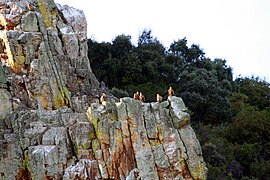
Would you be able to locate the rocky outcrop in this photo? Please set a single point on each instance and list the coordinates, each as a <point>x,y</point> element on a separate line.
<point>43,49</point>
<point>123,140</point>
<point>52,125</point>
<point>154,140</point>
<point>38,145</point>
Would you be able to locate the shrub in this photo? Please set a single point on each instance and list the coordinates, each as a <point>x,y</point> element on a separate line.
<point>119,93</point>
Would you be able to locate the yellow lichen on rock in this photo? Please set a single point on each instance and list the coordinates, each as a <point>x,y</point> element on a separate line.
<point>61,98</point>
<point>47,12</point>
<point>45,101</point>
<point>24,171</point>
<point>58,101</point>
<point>199,173</point>
<point>19,63</point>
<point>92,135</point>
<point>66,96</point>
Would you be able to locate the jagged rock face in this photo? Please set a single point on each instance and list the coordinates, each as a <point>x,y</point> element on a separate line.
<point>39,145</point>
<point>155,139</point>
<point>43,49</point>
<point>51,123</point>
<point>124,140</point>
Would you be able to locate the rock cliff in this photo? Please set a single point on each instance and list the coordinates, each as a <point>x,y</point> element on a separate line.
<point>52,125</point>
<point>44,59</point>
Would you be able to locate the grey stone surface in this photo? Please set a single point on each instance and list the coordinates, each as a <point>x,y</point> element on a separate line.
<point>5,105</point>
<point>83,169</point>
<point>149,137</point>
<point>29,22</point>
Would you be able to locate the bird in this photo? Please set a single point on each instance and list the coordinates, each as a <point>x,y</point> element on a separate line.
<point>170,91</point>
<point>141,97</point>
<point>103,98</point>
<point>159,98</point>
<point>136,96</point>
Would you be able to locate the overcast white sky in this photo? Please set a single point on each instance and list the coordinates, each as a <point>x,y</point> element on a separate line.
<point>235,30</point>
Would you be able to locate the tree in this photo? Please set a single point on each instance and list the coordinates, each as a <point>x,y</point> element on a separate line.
<point>204,96</point>
<point>223,72</point>
<point>121,47</point>
<point>188,55</point>
<point>257,91</point>
<point>250,126</point>
<point>151,54</point>
<point>98,54</point>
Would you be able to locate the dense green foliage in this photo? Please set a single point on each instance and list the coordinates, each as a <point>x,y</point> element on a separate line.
<point>231,117</point>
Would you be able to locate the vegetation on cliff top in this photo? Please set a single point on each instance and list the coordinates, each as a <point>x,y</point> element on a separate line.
<point>231,117</point>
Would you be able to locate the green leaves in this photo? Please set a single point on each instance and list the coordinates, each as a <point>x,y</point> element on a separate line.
<point>258,91</point>
<point>250,125</point>
<point>205,96</point>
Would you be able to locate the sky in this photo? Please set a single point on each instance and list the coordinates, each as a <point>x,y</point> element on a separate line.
<point>235,30</point>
